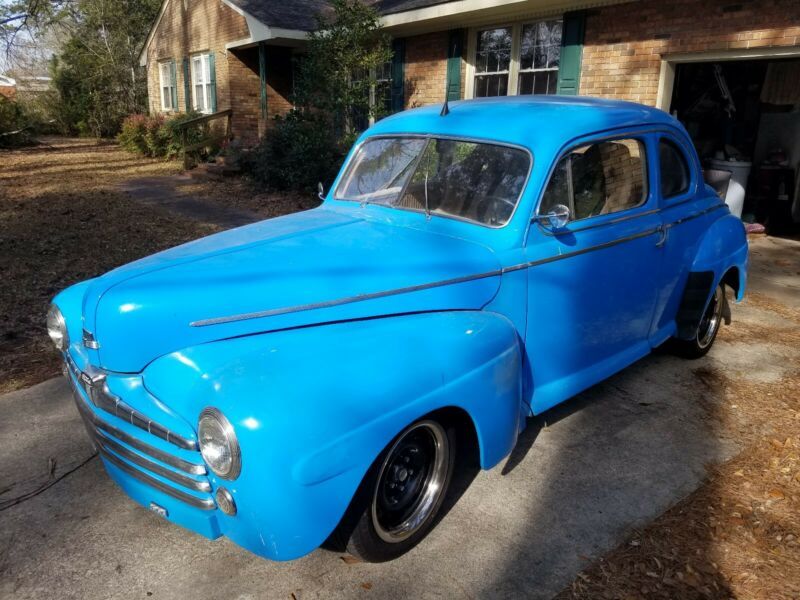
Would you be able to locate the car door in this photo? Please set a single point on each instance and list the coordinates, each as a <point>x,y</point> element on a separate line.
<point>687,208</point>
<point>592,283</point>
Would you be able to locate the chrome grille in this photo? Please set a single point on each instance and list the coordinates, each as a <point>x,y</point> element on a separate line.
<point>134,456</point>
<point>96,388</point>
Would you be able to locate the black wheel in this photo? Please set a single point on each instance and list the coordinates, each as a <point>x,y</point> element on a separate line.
<point>399,499</point>
<point>706,331</point>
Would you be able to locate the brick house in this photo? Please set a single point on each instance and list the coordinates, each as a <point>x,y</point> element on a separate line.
<point>685,56</point>
<point>8,87</point>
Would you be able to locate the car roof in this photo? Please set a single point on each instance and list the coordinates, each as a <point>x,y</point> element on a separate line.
<point>540,123</point>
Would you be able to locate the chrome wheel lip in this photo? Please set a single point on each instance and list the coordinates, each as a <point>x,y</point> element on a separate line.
<point>712,317</point>
<point>432,489</point>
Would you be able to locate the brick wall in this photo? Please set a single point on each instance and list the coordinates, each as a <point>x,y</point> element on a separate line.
<point>187,27</point>
<point>625,43</point>
<point>426,68</point>
<point>245,89</point>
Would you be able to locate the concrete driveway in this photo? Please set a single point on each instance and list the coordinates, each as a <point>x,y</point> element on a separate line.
<point>582,476</point>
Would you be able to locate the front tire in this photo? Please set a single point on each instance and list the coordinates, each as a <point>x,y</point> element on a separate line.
<point>400,498</point>
<point>706,331</point>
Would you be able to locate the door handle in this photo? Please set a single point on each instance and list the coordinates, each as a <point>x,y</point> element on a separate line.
<point>663,232</point>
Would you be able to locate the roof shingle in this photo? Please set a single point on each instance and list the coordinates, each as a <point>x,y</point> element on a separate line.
<point>302,14</point>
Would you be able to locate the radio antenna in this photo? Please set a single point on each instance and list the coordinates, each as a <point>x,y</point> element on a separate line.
<point>446,105</point>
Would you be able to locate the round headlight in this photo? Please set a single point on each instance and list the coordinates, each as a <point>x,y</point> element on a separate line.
<point>57,328</point>
<point>218,444</point>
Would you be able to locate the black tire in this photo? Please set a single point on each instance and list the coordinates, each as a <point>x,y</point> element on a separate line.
<point>383,522</point>
<point>707,330</point>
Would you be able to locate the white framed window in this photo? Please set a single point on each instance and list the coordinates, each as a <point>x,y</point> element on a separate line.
<point>493,62</point>
<point>166,78</point>
<point>508,60</point>
<point>202,83</point>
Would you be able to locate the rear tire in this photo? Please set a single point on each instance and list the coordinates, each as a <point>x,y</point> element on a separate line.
<point>707,330</point>
<point>399,499</point>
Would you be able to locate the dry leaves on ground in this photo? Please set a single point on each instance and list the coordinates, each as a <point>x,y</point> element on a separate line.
<point>61,221</point>
<point>737,535</point>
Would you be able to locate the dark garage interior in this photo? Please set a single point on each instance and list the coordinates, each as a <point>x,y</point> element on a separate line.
<point>744,118</point>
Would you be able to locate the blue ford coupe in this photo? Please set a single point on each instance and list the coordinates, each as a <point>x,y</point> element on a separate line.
<point>313,377</point>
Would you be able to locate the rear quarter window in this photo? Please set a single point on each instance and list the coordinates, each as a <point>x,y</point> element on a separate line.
<point>675,176</point>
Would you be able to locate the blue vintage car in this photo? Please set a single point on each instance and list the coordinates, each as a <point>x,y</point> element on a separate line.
<point>313,377</point>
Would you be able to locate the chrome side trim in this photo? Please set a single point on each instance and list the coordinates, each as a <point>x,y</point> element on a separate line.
<point>173,461</point>
<point>339,301</point>
<point>696,215</point>
<point>201,503</point>
<point>603,224</point>
<point>110,445</point>
<point>550,259</point>
<point>414,288</point>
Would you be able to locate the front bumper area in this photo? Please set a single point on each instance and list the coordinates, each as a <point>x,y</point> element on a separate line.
<point>160,470</point>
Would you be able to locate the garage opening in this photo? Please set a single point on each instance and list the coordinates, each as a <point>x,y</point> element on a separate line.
<point>744,118</point>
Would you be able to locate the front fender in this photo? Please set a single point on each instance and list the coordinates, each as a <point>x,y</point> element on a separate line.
<point>313,407</point>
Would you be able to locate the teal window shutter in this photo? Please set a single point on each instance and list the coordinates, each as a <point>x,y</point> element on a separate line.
<point>569,70</point>
<point>455,49</point>
<point>398,75</point>
<point>212,70</point>
<point>262,73</point>
<point>187,85</point>
<point>173,76</point>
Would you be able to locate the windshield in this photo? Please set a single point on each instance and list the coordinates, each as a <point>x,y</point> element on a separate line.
<point>477,181</point>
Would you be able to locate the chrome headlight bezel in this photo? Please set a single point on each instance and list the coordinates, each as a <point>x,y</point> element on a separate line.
<point>218,428</point>
<point>57,328</point>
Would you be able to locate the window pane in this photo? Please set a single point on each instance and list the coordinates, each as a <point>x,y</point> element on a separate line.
<point>540,82</point>
<point>379,170</point>
<point>674,170</point>
<point>479,182</point>
<point>206,60</point>
<point>527,43</point>
<point>197,70</point>
<point>624,171</point>
<point>491,85</point>
<point>199,100</point>
<point>606,177</point>
<point>540,53</point>
<point>494,50</point>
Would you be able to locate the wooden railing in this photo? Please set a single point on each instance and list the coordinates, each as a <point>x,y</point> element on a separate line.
<point>207,137</point>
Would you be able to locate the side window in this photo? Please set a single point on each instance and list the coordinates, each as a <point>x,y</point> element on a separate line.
<point>599,179</point>
<point>674,170</point>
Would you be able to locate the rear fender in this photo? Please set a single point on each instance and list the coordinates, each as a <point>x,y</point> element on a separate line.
<point>721,258</point>
<point>313,408</point>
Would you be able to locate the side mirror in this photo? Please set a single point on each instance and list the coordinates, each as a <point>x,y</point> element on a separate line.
<point>557,217</point>
<point>320,191</point>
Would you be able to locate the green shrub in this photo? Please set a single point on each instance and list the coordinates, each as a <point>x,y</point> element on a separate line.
<point>299,151</point>
<point>132,134</point>
<point>12,119</point>
<point>171,132</point>
<point>157,136</point>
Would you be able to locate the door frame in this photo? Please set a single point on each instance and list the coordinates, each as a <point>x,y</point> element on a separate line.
<point>669,63</point>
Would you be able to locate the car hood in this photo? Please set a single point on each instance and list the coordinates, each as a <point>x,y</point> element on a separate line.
<point>308,268</point>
